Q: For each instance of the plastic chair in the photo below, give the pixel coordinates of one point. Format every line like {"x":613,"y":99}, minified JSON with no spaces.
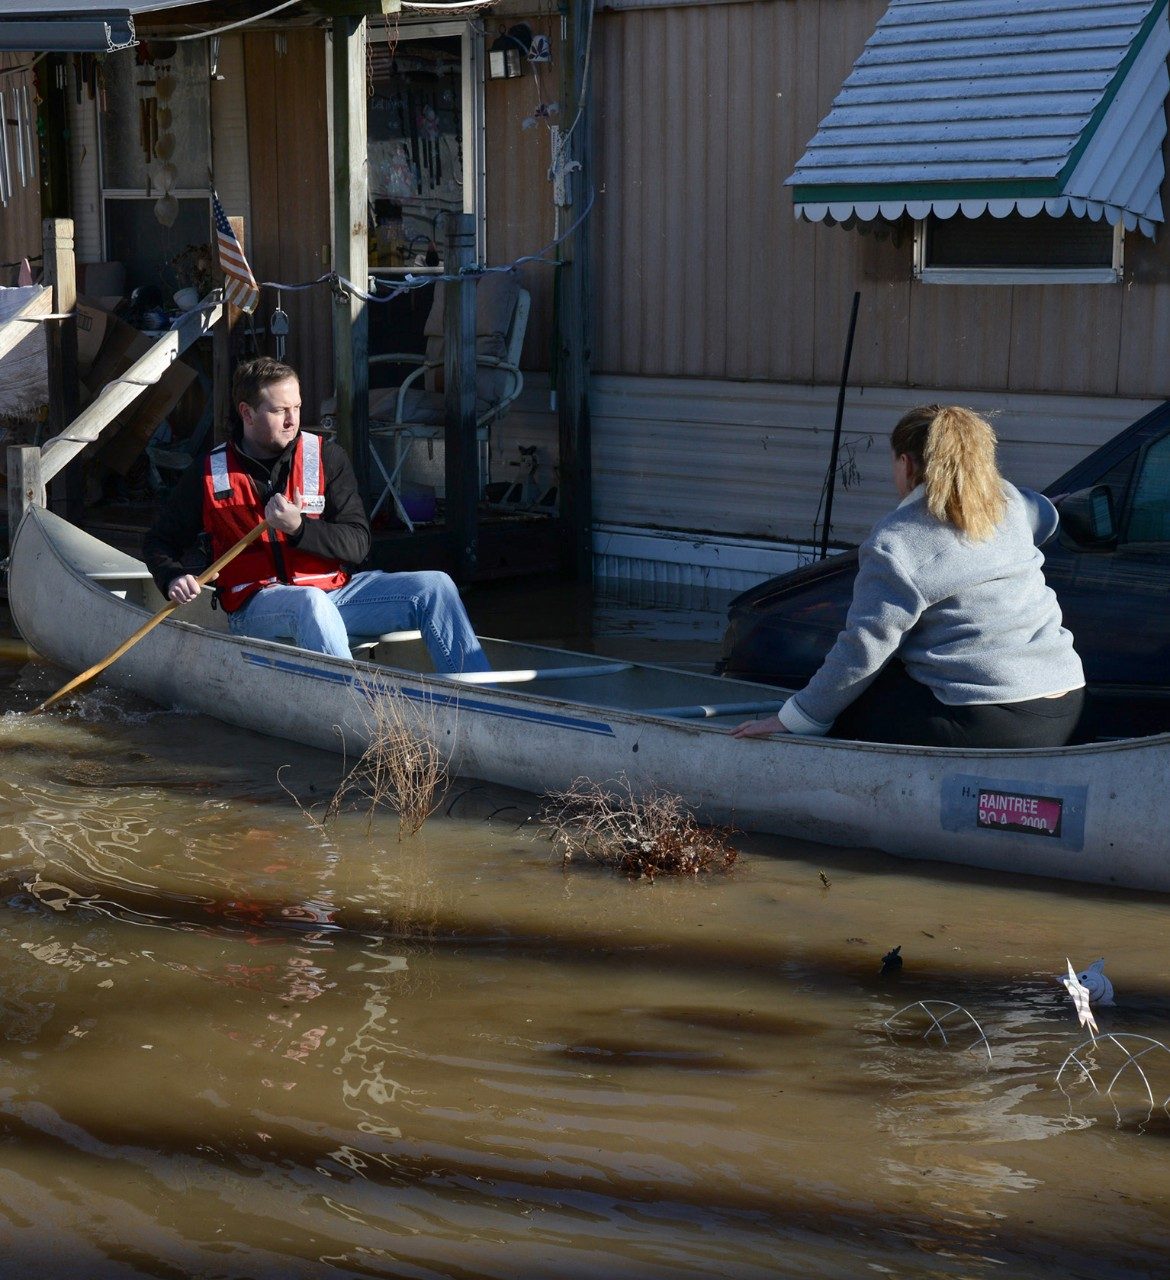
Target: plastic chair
{"x":415,"y":411}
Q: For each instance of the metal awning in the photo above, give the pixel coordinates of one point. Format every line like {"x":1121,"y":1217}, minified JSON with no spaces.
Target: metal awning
{"x":993,"y":106}
{"x":73,"y":26}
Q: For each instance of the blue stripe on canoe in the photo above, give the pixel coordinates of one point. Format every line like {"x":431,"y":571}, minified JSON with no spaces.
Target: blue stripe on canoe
{"x":458,"y":700}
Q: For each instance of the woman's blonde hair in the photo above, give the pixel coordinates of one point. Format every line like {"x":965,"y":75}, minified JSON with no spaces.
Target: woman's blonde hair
{"x":953,"y":452}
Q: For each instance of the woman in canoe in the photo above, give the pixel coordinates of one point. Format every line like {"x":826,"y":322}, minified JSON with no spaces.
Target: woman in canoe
{"x":953,"y":637}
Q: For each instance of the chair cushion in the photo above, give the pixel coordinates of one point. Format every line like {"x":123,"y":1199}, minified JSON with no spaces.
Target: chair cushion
{"x":495,"y":304}
{"x":420,"y":408}
{"x":495,"y":300}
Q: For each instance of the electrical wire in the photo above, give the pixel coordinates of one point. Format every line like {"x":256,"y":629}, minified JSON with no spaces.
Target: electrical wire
{"x":476,"y":5}
{"x":410,"y":282}
{"x":27,"y":66}
{"x":235,"y":26}
{"x":582,"y":93}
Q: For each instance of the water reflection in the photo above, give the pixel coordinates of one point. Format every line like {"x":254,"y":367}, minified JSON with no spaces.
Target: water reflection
{"x":236,"y":1044}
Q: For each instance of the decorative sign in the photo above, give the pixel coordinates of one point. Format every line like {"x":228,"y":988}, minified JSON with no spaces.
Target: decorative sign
{"x":1011,"y":811}
{"x":1015,"y":807}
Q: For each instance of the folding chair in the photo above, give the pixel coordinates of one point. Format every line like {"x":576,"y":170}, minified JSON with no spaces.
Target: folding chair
{"x":415,"y":411}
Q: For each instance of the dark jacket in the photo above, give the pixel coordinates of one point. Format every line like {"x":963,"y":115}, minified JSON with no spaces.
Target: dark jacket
{"x":342,"y":533}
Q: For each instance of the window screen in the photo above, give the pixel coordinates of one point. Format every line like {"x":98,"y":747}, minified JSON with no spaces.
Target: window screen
{"x":1019,"y":242}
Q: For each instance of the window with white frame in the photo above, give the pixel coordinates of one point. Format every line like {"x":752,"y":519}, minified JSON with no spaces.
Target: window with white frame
{"x":1017,"y":250}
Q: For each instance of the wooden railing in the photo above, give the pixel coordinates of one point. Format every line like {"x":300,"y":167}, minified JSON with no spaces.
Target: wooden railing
{"x":30,"y":469}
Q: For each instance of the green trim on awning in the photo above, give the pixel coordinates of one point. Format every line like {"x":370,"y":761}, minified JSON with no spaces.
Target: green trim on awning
{"x":1136,"y":46}
{"x":877,"y":192}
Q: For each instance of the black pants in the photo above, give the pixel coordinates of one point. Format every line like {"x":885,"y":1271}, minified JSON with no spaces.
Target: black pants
{"x":897,"y":708}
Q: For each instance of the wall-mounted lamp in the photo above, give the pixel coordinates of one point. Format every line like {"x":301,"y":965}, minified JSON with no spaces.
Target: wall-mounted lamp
{"x":507,"y":50}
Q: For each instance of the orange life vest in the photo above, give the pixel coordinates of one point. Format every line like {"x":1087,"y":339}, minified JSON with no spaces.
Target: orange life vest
{"x":232,"y":507}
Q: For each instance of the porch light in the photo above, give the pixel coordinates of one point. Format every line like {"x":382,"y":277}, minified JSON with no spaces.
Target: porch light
{"x":504,"y":56}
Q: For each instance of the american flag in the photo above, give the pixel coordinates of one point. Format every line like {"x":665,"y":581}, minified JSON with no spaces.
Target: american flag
{"x":239,"y":286}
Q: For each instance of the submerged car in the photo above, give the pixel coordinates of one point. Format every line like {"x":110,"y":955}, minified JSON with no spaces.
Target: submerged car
{"x":1109,"y":565}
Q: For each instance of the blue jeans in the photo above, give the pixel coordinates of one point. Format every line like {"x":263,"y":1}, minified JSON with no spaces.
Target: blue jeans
{"x":368,"y":605}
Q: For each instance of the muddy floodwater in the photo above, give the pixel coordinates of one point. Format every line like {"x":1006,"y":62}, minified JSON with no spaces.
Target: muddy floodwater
{"x":235,"y":1045}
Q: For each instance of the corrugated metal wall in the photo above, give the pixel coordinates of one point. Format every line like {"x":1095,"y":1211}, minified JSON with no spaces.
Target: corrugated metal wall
{"x":289,"y":237}
{"x":229,"y":130}
{"x":750,"y":459}
{"x":519,"y":194}
{"x":84,"y":172}
{"x":702,"y":270}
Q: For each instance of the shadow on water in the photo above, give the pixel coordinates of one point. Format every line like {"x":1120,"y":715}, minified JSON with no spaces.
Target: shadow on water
{"x":234,"y":1046}
{"x":822,"y":966}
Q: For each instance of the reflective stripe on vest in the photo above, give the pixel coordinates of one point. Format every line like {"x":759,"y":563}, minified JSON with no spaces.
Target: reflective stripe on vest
{"x":313,"y":490}
{"x":221,"y":481}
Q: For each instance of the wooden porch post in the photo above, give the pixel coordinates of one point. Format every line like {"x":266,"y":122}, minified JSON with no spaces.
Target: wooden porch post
{"x":351,"y":244}
{"x":60,"y":271}
{"x":221,"y":358}
{"x":574,"y":318}
{"x":25,"y":487}
{"x":461,"y":456}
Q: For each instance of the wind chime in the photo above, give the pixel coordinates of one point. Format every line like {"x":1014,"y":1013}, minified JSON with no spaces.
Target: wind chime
{"x":15,"y":154}
{"x":155,"y":120}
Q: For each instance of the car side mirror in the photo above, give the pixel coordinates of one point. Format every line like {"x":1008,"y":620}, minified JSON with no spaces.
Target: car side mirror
{"x":1087,"y":518}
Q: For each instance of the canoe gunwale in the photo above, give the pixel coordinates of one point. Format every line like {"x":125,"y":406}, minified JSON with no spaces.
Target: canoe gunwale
{"x":627,"y":716}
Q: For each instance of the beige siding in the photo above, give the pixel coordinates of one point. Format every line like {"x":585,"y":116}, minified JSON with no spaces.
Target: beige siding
{"x":288,"y":237}
{"x":701,"y":111}
{"x":85,"y":175}
{"x":748,"y":459}
{"x":519,"y":194}
{"x":229,"y":130}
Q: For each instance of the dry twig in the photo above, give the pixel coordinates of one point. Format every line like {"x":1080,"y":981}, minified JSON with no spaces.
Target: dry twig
{"x":401,"y":768}
{"x":641,"y":836}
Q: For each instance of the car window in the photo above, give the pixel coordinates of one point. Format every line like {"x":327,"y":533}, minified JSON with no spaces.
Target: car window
{"x":1149,"y":510}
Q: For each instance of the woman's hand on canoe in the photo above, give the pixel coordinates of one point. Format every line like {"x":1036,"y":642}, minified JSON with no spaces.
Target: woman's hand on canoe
{"x":759,"y":728}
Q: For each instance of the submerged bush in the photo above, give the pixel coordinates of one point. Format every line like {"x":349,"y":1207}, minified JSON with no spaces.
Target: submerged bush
{"x":641,"y":835}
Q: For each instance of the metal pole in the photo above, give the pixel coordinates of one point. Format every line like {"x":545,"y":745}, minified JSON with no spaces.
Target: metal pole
{"x":461,"y":461}
{"x":832,"y":480}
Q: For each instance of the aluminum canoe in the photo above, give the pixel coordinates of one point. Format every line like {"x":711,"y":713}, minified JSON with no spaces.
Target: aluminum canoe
{"x":1093,"y":813}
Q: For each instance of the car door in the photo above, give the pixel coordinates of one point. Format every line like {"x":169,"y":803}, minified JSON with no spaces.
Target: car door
{"x":1116,"y":600}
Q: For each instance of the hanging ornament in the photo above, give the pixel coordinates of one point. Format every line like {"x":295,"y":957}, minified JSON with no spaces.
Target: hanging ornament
{"x":166,"y":209}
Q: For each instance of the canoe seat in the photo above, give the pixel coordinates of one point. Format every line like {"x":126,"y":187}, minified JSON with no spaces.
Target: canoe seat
{"x":363,"y":644}
{"x":119,"y":581}
{"x":524,"y":675}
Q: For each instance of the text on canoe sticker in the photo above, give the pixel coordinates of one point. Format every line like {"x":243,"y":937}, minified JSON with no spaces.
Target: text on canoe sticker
{"x":996,"y":808}
{"x":1012,"y":811}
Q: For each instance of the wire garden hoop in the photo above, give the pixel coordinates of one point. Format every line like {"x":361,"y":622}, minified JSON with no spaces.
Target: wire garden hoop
{"x":938,"y":1013}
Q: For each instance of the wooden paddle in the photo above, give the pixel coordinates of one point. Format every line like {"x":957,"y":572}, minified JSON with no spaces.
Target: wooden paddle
{"x":205,"y":577}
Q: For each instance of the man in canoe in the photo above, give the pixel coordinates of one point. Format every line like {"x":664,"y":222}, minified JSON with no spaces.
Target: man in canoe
{"x":953,"y":638}
{"x":296,"y":581}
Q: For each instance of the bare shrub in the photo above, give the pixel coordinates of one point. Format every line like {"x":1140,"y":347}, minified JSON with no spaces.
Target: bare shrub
{"x":402,"y":768}
{"x":639,"y":835}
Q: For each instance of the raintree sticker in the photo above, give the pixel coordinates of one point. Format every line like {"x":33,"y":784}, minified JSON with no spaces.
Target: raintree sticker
{"x":1012,"y":811}
{"x":1003,"y":808}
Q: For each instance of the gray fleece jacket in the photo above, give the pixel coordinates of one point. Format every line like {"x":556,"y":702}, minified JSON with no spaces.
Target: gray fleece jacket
{"x":974,"y":621}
